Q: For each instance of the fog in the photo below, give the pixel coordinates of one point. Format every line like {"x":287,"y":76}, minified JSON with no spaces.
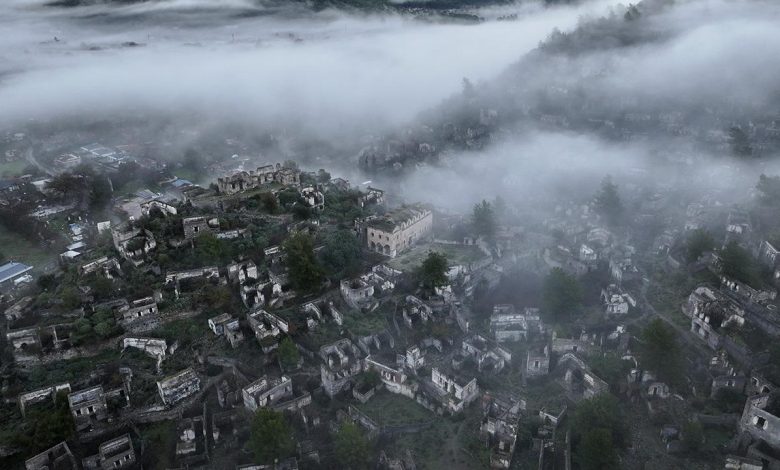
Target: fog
{"x":330,"y":72}
{"x":352,"y":78}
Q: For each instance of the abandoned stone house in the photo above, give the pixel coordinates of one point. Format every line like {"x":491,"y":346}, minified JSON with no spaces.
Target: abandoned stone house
{"x":88,"y":407}
{"x":391,"y":371}
{"x":242,"y":271}
{"x":579,"y":380}
{"x":105,"y":266}
{"x":454,"y":391}
{"x":226,"y":325}
{"x":537,"y":362}
{"x":177,"y":387}
{"x":246,"y":180}
{"x":313,"y":197}
{"x":34,"y":397}
{"x":116,"y":453}
{"x":616,"y":301}
{"x":768,"y":254}
{"x":57,"y":457}
{"x":357,"y":293}
{"x":194,"y":226}
{"x":761,"y":419}
{"x":342,"y":362}
{"x":133,"y":243}
{"x":266,"y":392}
{"x":372,"y":196}
{"x":139,"y":316}
{"x":499,"y":428}
{"x":396,"y":231}
{"x":266,"y":332}
{"x":416,"y":312}
{"x":507,"y":324}
{"x":485,"y":356}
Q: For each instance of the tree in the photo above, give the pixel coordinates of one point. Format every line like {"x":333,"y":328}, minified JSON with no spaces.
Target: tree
{"x":769,"y":187}
{"x":596,"y":451}
{"x":737,"y":263}
{"x":433,"y":270}
{"x":692,"y":436}
{"x":740,"y":142}
{"x":699,"y":242}
{"x":608,"y":201}
{"x":660,"y":352}
{"x":484,"y":220}
{"x":306,"y":273}
{"x":271,"y":436}
{"x":601,"y":412}
{"x":341,"y":254}
{"x":561,"y":294}
{"x":288,"y":353}
{"x":351,"y":447}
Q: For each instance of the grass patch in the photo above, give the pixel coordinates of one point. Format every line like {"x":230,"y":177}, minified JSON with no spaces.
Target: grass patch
{"x":17,"y":248}
{"x":15,"y":168}
{"x":389,"y":409}
{"x":456,"y":255}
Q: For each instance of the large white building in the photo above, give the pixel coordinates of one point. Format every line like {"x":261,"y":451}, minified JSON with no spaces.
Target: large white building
{"x":398,"y":230}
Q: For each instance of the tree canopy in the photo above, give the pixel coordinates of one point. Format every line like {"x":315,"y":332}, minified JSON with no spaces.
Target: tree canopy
{"x":271,"y":436}
{"x":484,"y":219}
{"x":351,"y":447}
{"x":659,"y":351}
{"x":341,"y":254}
{"x":433,"y":270}
{"x":737,"y":263}
{"x":306,"y":273}
{"x":561,"y":294}
{"x":608,"y":202}
{"x":699,"y":242}
{"x":740,"y":142}
{"x":288,"y":353}
{"x":601,"y":412}
{"x":597,"y":451}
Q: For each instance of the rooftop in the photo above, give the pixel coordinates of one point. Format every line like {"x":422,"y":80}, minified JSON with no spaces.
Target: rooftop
{"x":11,"y":270}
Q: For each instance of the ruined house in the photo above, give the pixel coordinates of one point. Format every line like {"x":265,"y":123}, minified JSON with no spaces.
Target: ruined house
{"x":537,"y":362}
{"x":579,"y":380}
{"x":179,"y":386}
{"x":264,"y":175}
{"x":314,"y":198}
{"x":616,"y":301}
{"x":58,"y":457}
{"x":266,"y":392}
{"x":342,"y":362}
{"x":761,"y":419}
{"x":487,"y":357}
{"x":33,"y":397}
{"x":133,"y":243}
{"x":507,"y":324}
{"x":88,"y":407}
{"x":113,"y":454}
{"x":499,"y":426}
{"x":453,"y":390}
{"x":194,"y":226}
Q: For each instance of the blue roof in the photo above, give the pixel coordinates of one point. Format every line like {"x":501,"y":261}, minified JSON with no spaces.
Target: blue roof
{"x":179,"y":182}
{"x":12,"y":270}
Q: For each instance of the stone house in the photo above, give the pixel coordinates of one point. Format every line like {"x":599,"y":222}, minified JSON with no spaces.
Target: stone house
{"x":266,"y":392}
{"x":537,"y":362}
{"x":194,"y":226}
{"x":485,"y":357}
{"x":177,"y":387}
{"x":342,"y":362}
{"x":58,"y":457}
{"x":113,"y":454}
{"x":579,"y":380}
{"x":133,"y":243}
{"x":761,"y":419}
{"x":507,"y":324}
{"x":454,"y":391}
{"x":88,"y":407}
{"x":42,"y":394}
